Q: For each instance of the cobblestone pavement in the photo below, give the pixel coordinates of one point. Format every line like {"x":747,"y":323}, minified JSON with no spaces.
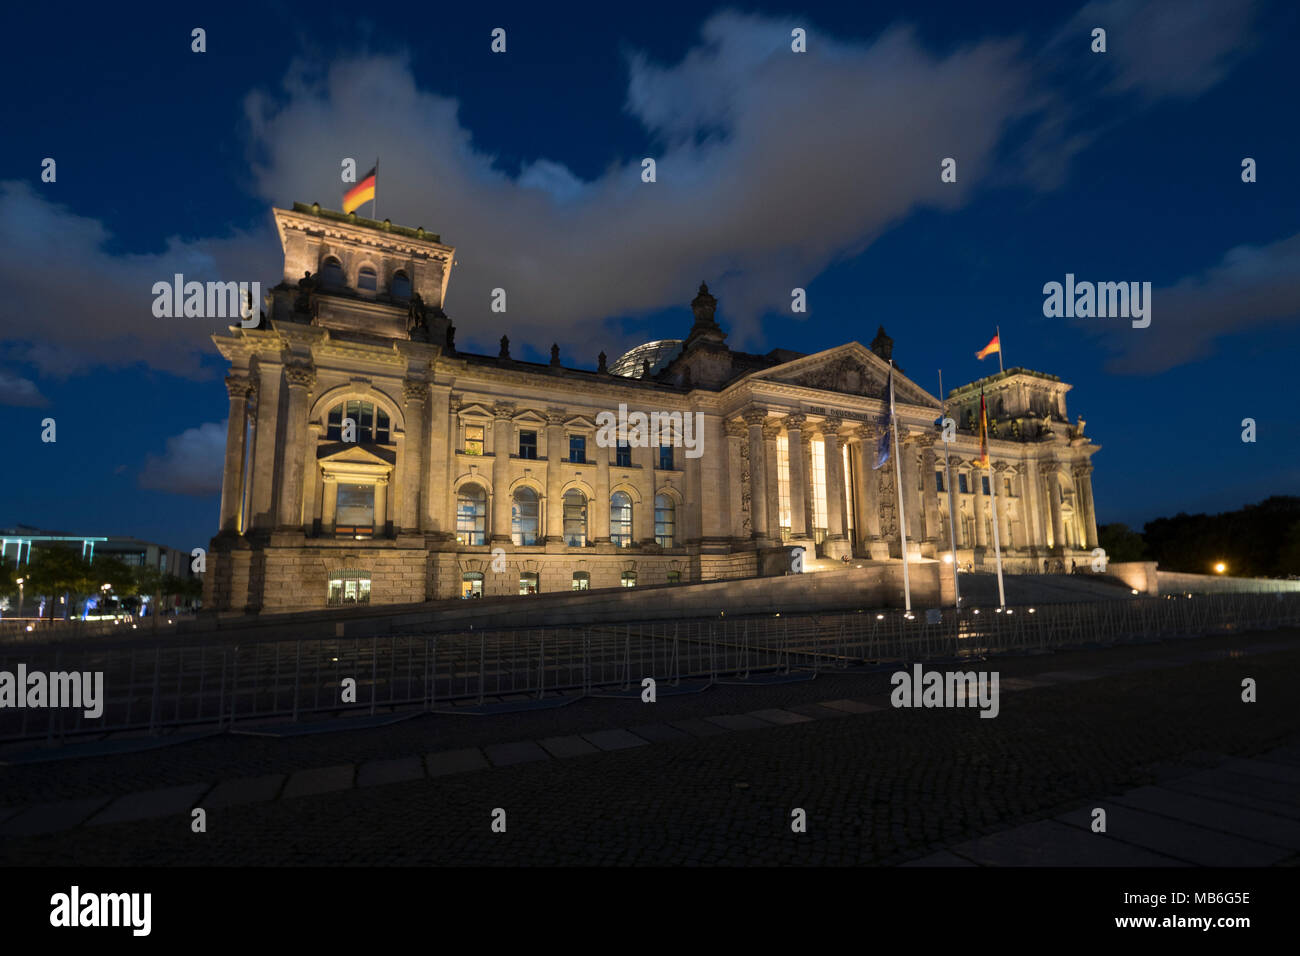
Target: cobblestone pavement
{"x":712,"y":777}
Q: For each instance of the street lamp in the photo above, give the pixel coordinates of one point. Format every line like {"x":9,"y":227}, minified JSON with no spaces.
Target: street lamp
{"x":1220,"y":567}
{"x":20,"y":596}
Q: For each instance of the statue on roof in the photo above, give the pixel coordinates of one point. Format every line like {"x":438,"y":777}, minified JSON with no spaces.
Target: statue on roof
{"x":882,"y":344}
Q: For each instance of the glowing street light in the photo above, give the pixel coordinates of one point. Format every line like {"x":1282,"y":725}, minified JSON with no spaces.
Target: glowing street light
{"x":1220,"y":567}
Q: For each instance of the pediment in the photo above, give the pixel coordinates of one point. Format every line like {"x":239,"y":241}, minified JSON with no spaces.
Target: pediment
{"x":474,"y":409}
{"x":580,"y":421}
{"x":529,"y":417}
{"x":350,"y":453}
{"x":848,"y":370}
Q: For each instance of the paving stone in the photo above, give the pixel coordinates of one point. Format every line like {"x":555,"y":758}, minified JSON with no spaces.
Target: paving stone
{"x":817,"y":711}
{"x":522,"y":751}
{"x":1052,"y":843}
{"x":1266,"y":770}
{"x":7,"y":812}
{"x":775,"y":715}
{"x":850,"y":706}
{"x":230,"y":793}
{"x":615,"y":739}
{"x":1253,"y":784}
{"x":737,"y":722}
{"x":455,"y":761}
{"x":1175,"y":838}
{"x":1215,"y":815}
{"x":1238,"y":794}
{"x":150,"y":803}
{"x":319,"y":780}
{"x":658,"y":733}
{"x":51,"y":817}
{"x":573,"y":746}
{"x":698,"y":728}
{"x":397,"y":770}
{"x":942,"y":858}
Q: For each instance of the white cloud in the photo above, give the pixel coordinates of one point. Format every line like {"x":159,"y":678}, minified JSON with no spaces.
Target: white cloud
{"x":15,"y":390}
{"x":192,"y":463}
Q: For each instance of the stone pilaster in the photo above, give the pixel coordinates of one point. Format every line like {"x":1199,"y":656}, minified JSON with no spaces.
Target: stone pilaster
{"x":415,"y":396}
{"x":555,"y":453}
{"x":1083,"y":478}
{"x":1054,"y":505}
{"x":771,"y":479}
{"x":929,"y":495}
{"x":738,"y":490}
{"x":837,"y":544}
{"x":754,"y":420}
{"x":232,"y":479}
{"x":501,"y":435}
{"x":299,"y":378}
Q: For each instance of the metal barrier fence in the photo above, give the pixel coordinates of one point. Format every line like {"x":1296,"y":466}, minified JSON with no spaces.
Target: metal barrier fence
{"x":151,"y":685}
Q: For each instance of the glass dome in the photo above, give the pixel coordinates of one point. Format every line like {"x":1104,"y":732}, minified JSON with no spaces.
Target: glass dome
{"x":659,"y":354}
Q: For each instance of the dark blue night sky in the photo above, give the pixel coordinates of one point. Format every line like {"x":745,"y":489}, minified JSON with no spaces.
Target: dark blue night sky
{"x":775,"y":170}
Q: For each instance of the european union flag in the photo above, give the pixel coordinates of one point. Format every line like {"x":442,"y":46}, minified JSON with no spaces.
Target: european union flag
{"x":883,"y":446}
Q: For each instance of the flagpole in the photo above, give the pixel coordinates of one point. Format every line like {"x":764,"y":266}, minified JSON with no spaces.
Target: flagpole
{"x":998,"y":329}
{"x":993,"y":501}
{"x":898,"y":473}
{"x":374,"y":207}
{"x":952,"y":514}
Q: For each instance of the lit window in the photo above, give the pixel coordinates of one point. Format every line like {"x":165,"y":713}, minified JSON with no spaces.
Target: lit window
{"x":471,"y":584}
{"x":620,"y":519}
{"x":783,"y":481}
{"x":819,"y":483}
{"x":665,"y":514}
{"x":471,"y":515}
{"x":347,"y":589}
{"x":473,"y":439}
{"x":674,"y":577}
{"x":528,"y":445}
{"x":581,"y":581}
{"x":578,"y":448}
{"x":371,"y":424}
{"x":401,"y":286}
{"x":354,"y":513}
{"x":575,"y":518}
{"x":366,"y":279}
{"x":528,"y":582}
{"x":523,"y":517}
{"x":629,"y":579}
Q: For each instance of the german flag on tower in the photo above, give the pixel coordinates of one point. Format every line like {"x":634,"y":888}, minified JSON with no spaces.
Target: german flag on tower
{"x":363,"y":192}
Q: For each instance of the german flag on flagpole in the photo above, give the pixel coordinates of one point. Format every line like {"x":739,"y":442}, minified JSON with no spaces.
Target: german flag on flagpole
{"x":363,"y":192}
{"x":994,"y":346}
{"x":983,"y":460}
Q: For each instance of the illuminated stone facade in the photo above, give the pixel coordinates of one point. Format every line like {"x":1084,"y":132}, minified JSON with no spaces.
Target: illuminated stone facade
{"x":370,"y":460}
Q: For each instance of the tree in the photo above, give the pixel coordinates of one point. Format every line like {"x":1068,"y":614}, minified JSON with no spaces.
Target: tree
{"x":149,"y":580}
{"x":1121,"y":543}
{"x":59,"y":569}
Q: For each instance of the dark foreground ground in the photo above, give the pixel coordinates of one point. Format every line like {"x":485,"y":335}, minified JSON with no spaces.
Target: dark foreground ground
{"x":1155,"y":734}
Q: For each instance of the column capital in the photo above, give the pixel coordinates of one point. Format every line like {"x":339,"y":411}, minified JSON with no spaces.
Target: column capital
{"x":300,"y":375}
{"x":736,"y":429}
{"x":556,"y":416}
{"x":755,"y":416}
{"x":795,"y":421}
{"x":503,"y":411}
{"x":239,"y":386}
{"x":867,"y":432}
{"x":414,"y":392}
{"x":1082,"y":469}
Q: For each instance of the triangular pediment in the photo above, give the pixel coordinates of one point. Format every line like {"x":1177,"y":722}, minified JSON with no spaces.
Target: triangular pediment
{"x":850,"y":369}
{"x":474,"y":410}
{"x":353,"y":454}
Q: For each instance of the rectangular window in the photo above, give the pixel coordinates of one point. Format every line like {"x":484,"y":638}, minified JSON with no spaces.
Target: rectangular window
{"x":783,"y":480}
{"x":984,"y":479}
{"x":674,"y":577}
{"x":963,"y":484}
{"x":355,"y":510}
{"x":581,"y":581}
{"x":1006,"y":487}
{"x":665,"y":457}
{"x":938,"y":482}
{"x":473,"y":439}
{"x":819,"y":483}
{"x":578,"y":448}
{"x":528,"y":445}
{"x":623,"y":456}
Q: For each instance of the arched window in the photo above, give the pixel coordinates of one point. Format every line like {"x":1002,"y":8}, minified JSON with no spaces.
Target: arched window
{"x":620,"y":519}
{"x":371,"y":423}
{"x":523,"y":517}
{"x":331,"y":273}
{"x":366,"y":279}
{"x":471,"y":516}
{"x":528,"y":583}
{"x":665,"y":515}
{"x":581,"y":581}
{"x":471,"y":584}
{"x":401,"y":286}
{"x":575,"y":518}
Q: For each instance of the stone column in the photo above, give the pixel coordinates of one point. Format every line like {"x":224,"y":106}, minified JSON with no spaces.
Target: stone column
{"x":246,"y":506}
{"x":836,"y":546}
{"x":977,"y":474}
{"x":930,"y":493}
{"x":809,"y":484}
{"x":415,"y":395}
{"x":555,"y":452}
{"x":442,"y":436}
{"x":1027,"y":476}
{"x":299,"y":379}
{"x":795,"y":454}
{"x":869,"y":493}
{"x":1004,"y":505}
{"x":912,"y":492}
{"x":1054,"y":504}
{"x":1083,"y":477}
{"x":737,"y":461}
{"x":232,"y":479}
{"x":381,"y":506}
{"x":502,"y":411}
{"x":754,"y":420}
{"x":771,"y":477}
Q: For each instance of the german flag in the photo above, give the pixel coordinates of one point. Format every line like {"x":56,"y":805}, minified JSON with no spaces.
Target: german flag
{"x":363,"y":192}
{"x":994,"y":346}
{"x":983,"y":460}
